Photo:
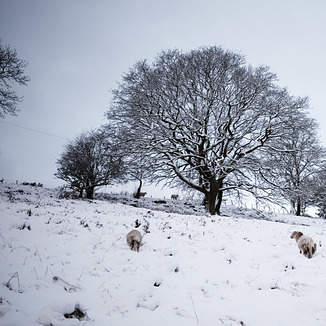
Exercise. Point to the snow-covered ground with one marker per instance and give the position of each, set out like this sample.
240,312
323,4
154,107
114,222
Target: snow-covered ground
62,256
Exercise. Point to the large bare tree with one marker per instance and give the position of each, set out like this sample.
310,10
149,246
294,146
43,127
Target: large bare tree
12,70
199,114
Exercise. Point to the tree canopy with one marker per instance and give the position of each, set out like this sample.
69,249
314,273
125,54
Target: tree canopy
200,115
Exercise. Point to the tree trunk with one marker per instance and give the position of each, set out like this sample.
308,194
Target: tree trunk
90,192
139,189
210,203
298,211
81,190
212,195
219,202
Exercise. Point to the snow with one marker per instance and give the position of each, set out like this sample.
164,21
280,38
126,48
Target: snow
58,255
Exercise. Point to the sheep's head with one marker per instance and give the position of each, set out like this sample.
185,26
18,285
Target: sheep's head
296,235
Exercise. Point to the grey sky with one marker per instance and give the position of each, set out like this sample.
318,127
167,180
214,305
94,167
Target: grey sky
77,50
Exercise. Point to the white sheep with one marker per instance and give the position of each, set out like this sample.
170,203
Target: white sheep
134,239
305,244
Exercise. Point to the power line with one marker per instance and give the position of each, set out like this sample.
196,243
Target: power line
35,130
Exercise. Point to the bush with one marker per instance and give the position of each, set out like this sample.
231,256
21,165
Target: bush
65,192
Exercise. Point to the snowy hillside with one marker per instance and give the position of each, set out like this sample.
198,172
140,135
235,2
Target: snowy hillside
66,262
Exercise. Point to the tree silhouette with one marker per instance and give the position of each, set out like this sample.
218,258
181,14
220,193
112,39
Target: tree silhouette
12,71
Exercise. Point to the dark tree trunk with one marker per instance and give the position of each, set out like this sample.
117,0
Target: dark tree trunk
298,210
81,190
212,195
292,206
219,202
90,192
139,189
210,203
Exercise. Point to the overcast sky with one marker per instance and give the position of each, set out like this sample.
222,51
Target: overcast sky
77,51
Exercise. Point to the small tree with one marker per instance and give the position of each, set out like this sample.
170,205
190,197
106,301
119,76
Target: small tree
199,115
89,161
11,71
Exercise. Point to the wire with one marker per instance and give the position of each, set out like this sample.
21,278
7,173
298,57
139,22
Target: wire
35,130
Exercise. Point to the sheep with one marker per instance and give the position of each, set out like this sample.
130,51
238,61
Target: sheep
174,196
305,244
134,239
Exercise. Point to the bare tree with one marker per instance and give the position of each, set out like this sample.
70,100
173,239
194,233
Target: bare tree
198,115
12,70
319,198
89,161
289,166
